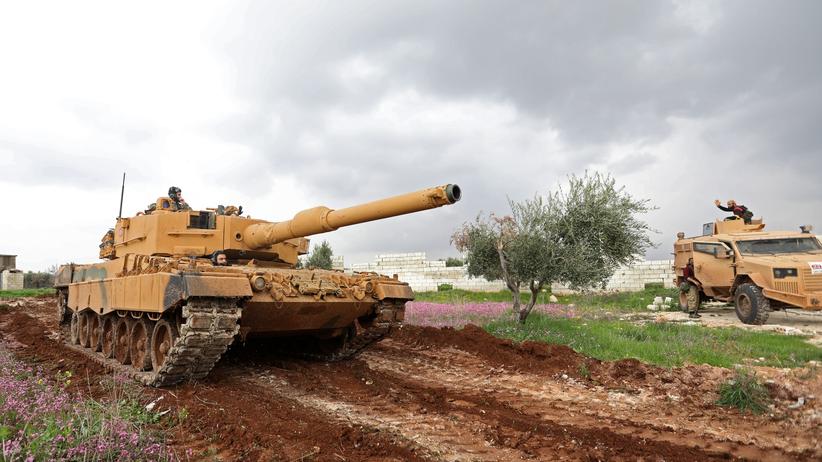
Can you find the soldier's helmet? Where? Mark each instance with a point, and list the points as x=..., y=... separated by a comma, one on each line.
x=174, y=192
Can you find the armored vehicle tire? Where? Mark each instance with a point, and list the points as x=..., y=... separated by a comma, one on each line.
x=122, y=328
x=138, y=341
x=74, y=328
x=162, y=339
x=107, y=338
x=83, y=328
x=751, y=305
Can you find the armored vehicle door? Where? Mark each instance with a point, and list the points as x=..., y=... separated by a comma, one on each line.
x=714, y=268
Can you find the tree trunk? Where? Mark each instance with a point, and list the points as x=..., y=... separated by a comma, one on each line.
x=535, y=287
x=512, y=285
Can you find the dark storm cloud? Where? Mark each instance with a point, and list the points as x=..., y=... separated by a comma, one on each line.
x=599, y=73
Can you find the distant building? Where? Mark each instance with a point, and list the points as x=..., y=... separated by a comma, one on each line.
x=11, y=278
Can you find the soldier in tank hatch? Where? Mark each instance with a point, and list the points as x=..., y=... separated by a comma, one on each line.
x=219, y=258
x=176, y=195
x=737, y=209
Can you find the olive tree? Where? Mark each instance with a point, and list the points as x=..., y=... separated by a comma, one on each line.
x=577, y=235
x=321, y=256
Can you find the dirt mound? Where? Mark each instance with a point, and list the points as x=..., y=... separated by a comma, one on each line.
x=23, y=328
x=537, y=357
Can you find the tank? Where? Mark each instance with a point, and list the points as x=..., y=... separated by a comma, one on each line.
x=160, y=307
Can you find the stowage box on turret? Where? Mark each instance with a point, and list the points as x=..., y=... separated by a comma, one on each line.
x=160, y=306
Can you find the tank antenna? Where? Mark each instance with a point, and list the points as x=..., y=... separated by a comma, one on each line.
x=122, y=191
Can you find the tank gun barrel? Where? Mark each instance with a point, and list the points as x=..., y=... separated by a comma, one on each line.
x=323, y=219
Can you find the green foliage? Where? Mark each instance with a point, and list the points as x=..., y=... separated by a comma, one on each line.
x=453, y=262
x=665, y=344
x=578, y=235
x=26, y=293
x=464, y=296
x=444, y=287
x=744, y=392
x=619, y=301
x=38, y=280
x=321, y=256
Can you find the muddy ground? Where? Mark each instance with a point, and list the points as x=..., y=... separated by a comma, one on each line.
x=440, y=394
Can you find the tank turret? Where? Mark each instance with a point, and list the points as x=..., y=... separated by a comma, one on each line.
x=166, y=231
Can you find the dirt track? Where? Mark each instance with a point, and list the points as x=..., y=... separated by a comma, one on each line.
x=430, y=394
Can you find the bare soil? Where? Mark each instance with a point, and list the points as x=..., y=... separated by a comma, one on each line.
x=461, y=395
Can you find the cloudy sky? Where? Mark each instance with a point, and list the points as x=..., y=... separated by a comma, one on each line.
x=282, y=106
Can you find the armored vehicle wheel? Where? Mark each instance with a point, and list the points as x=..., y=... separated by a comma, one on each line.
x=74, y=328
x=162, y=339
x=85, y=334
x=690, y=300
x=138, y=344
x=95, y=331
x=107, y=338
x=121, y=332
x=751, y=306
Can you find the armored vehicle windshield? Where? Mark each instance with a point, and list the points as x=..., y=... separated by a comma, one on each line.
x=778, y=246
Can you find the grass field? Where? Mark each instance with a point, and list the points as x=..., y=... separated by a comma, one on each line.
x=664, y=344
x=616, y=301
x=25, y=293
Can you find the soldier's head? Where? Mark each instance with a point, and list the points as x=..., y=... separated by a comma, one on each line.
x=174, y=193
x=219, y=258
x=731, y=203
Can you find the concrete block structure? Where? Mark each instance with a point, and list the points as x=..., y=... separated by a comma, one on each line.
x=427, y=275
x=10, y=277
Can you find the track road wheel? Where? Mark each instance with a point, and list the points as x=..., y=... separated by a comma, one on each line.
x=63, y=312
x=74, y=328
x=95, y=330
x=162, y=339
x=107, y=338
x=122, y=328
x=85, y=334
x=751, y=305
x=138, y=344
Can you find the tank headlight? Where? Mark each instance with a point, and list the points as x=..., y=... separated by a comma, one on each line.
x=780, y=273
x=258, y=283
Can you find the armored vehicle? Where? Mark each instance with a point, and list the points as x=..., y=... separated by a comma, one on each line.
x=160, y=309
x=758, y=271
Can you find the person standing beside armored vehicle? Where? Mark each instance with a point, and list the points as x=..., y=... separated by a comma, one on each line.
x=737, y=209
x=689, y=290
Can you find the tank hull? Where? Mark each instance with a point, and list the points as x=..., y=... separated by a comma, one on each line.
x=151, y=293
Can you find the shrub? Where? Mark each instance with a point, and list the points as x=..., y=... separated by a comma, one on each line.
x=444, y=287
x=451, y=261
x=744, y=392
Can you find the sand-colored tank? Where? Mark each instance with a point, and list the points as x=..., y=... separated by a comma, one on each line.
x=160, y=306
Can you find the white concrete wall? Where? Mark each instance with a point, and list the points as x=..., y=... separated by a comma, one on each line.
x=11, y=280
x=426, y=275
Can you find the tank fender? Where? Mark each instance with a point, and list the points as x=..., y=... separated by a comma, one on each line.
x=187, y=285
x=398, y=291
x=740, y=279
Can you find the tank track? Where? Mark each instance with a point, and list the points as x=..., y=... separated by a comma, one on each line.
x=364, y=337
x=209, y=328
